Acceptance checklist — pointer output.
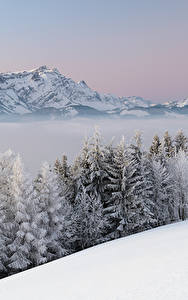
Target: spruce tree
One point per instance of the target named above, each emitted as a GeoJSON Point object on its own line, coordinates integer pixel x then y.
{"type": "Point", "coordinates": [139, 215]}
{"type": "Point", "coordinates": [180, 142]}
{"type": "Point", "coordinates": [47, 220]}
{"type": "Point", "coordinates": [115, 203]}
{"type": "Point", "coordinates": [91, 189]}
{"type": "Point", "coordinates": [163, 194]}
{"type": "Point", "coordinates": [179, 170]}
{"type": "Point", "coordinates": [90, 222]}
{"type": "Point", "coordinates": [167, 146]}
{"type": "Point", "coordinates": [21, 193]}
{"type": "Point", "coordinates": [155, 149]}
{"type": "Point", "coordinates": [7, 209]}
{"type": "Point", "coordinates": [65, 178]}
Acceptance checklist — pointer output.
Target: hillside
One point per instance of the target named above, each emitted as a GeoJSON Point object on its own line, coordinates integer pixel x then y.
{"type": "Point", "coordinates": [150, 265]}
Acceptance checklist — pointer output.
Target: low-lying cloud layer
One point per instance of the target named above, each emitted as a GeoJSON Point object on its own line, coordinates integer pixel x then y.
{"type": "Point", "coordinates": [40, 141]}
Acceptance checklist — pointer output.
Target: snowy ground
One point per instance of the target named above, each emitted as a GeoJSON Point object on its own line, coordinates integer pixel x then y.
{"type": "Point", "coordinates": [152, 265]}
{"type": "Point", "coordinates": [40, 141]}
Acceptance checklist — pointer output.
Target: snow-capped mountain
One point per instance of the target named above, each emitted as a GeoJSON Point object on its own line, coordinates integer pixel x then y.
{"type": "Point", "coordinates": [46, 92]}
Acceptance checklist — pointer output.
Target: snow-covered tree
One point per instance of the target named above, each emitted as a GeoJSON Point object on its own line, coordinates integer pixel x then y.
{"type": "Point", "coordinates": [179, 170]}
{"type": "Point", "coordinates": [163, 194]}
{"type": "Point", "coordinates": [167, 146]}
{"type": "Point", "coordinates": [180, 142]}
{"type": "Point", "coordinates": [139, 216]}
{"type": "Point", "coordinates": [91, 221]}
{"type": "Point", "coordinates": [82, 170]}
{"type": "Point", "coordinates": [47, 220]}
{"type": "Point", "coordinates": [155, 149]}
{"type": "Point", "coordinates": [115, 202]}
{"type": "Point", "coordinates": [65, 178]}
{"type": "Point", "coordinates": [21, 193]}
{"type": "Point", "coordinates": [90, 189]}
{"type": "Point", "coordinates": [7, 208]}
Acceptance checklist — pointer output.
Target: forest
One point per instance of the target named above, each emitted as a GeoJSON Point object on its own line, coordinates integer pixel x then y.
{"type": "Point", "coordinates": [109, 191]}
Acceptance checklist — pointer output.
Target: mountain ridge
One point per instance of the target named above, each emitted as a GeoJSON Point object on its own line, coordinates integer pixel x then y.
{"type": "Point", "coordinates": [46, 93]}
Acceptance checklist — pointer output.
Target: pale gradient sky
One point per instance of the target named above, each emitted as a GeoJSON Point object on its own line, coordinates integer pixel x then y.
{"type": "Point", "coordinates": [135, 47]}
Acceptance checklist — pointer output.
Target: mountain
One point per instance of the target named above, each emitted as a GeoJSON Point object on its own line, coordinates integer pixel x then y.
{"type": "Point", "coordinates": [46, 93]}
{"type": "Point", "coordinates": [152, 265]}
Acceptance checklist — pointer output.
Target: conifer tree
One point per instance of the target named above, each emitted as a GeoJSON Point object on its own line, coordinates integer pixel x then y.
{"type": "Point", "coordinates": [180, 142]}
{"type": "Point", "coordinates": [47, 220]}
{"type": "Point", "coordinates": [90, 187]}
{"type": "Point", "coordinates": [21, 193]}
{"type": "Point", "coordinates": [3, 248]}
{"type": "Point", "coordinates": [7, 208]}
{"type": "Point", "coordinates": [167, 146]}
{"type": "Point", "coordinates": [155, 149]}
{"type": "Point", "coordinates": [139, 215]}
{"type": "Point", "coordinates": [82, 172]}
{"type": "Point", "coordinates": [163, 194]}
{"type": "Point", "coordinates": [179, 170]}
{"type": "Point", "coordinates": [115, 203]}
{"type": "Point", "coordinates": [65, 178]}
{"type": "Point", "coordinates": [91, 221]}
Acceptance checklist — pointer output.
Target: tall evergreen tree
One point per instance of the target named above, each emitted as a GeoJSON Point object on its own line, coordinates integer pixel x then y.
{"type": "Point", "coordinates": [139, 215]}
{"type": "Point", "coordinates": [155, 149]}
{"type": "Point", "coordinates": [90, 185]}
{"type": "Point", "coordinates": [65, 178]}
{"type": "Point", "coordinates": [163, 194]}
{"type": "Point", "coordinates": [7, 208]}
{"type": "Point", "coordinates": [91, 220]}
{"type": "Point", "coordinates": [115, 203]}
{"type": "Point", "coordinates": [21, 193]}
{"type": "Point", "coordinates": [179, 170]}
{"type": "Point", "coordinates": [47, 220]}
{"type": "Point", "coordinates": [167, 146]}
{"type": "Point", "coordinates": [180, 142]}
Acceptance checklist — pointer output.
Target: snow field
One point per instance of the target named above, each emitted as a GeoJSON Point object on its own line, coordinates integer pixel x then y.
{"type": "Point", "coordinates": [150, 265]}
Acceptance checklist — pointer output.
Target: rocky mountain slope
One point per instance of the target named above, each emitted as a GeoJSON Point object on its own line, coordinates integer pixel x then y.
{"type": "Point", "coordinates": [46, 93]}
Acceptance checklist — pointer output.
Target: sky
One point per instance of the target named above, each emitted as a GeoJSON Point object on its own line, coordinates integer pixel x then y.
{"type": "Point", "coordinates": [123, 47]}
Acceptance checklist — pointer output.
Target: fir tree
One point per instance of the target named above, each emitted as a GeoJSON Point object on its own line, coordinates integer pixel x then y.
{"type": "Point", "coordinates": [163, 194]}
{"type": "Point", "coordinates": [138, 210]}
{"type": "Point", "coordinates": [180, 142]}
{"type": "Point", "coordinates": [155, 149]}
{"type": "Point", "coordinates": [7, 208]}
{"type": "Point", "coordinates": [65, 178]}
{"type": "Point", "coordinates": [179, 170]}
{"type": "Point", "coordinates": [90, 187]}
{"type": "Point", "coordinates": [115, 203]}
{"type": "Point", "coordinates": [47, 219]}
{"type": "Point", "coordinates": [167, 146]}
{"type": "Point", "coordinates": [21, 192]}
{"type": "Point", "coordinates": [91, 221]}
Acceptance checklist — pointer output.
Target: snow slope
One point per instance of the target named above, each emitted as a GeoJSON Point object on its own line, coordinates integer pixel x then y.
{"type": "Point", "coordinates": [152, 265]}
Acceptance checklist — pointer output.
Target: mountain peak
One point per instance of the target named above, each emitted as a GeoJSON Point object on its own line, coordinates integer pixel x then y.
{"type": "Point", "coordinates": [40, 69]}
{"type": "Point", "coordinates": [83, 83]}
{"type": "Point", "coordinates": [43, 68]}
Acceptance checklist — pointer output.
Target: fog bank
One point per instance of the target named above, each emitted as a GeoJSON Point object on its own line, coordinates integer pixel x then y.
{"type": "Point", "coordinates": [40, 141]}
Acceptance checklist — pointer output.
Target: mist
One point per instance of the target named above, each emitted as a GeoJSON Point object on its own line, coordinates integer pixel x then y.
{"type": "Point", "coordinates": [37, 142]}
